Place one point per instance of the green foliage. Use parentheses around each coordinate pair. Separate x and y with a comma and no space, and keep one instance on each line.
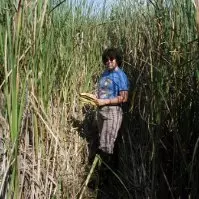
(51,51)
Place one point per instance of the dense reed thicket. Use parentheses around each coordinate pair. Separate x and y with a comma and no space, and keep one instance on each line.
(51,51)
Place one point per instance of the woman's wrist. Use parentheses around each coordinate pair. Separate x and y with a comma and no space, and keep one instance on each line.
(108,101)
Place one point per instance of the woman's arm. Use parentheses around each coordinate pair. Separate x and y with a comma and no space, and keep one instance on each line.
(123,97)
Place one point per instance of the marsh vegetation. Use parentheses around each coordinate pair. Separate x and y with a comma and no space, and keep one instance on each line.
(51,51)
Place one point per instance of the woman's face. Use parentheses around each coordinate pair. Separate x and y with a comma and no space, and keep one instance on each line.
(111,63)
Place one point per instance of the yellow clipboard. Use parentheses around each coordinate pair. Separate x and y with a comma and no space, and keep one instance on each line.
(88,98)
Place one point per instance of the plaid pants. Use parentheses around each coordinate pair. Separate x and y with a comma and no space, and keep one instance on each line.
(109,119)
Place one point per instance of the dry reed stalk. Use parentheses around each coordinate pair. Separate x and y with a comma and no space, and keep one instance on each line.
(94,165)
(9,164)
(5,162)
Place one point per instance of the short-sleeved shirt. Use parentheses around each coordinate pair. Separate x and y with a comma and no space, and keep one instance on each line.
(111,83)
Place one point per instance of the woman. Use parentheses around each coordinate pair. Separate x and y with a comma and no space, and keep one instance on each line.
(113,89)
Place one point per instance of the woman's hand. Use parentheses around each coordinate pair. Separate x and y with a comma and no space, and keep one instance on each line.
(102,102)
(92,96)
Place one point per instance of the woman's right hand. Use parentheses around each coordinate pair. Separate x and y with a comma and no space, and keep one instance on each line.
(102,102)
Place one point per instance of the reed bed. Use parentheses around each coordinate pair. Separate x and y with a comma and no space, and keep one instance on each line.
(51,51)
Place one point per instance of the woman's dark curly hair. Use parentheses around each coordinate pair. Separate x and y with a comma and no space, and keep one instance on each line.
(112,53)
